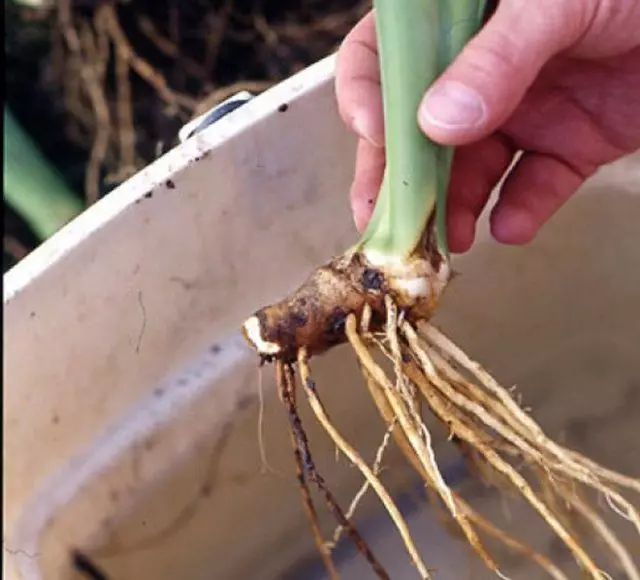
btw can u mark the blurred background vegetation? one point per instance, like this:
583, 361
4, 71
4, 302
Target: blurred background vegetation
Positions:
97, 89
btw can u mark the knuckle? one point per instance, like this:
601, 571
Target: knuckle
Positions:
497, 57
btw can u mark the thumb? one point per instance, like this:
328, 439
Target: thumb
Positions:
489, 78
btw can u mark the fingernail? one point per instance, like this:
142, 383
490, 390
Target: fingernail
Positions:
452, 105
364, 127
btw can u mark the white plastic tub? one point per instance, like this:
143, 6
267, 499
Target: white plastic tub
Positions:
131, 402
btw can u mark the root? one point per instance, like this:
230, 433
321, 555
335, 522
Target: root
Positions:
83, 50
511, 542
609, 538
349, 301
141, 66
120, 78
470, 434
126, 132
288, 397
365, 486
501, 466
355, 458
169, 48
261, 446
462, 506
556, 465
518, 415
550, 455
417, 425
422, 453
488, 420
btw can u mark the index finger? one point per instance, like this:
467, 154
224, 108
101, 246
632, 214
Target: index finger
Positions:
358, 89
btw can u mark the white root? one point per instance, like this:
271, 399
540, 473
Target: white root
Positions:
505, 442
377, 463
431, 464
500, 465
412, 434
604, 531
446, 345
318, 409
568, 462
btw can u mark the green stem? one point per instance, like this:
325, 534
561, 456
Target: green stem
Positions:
32, 186
417, 40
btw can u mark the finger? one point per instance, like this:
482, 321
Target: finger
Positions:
487, 81
476, 170
370, 162
357, 84
534, 191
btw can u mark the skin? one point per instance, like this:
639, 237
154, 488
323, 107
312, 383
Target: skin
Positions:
557, 80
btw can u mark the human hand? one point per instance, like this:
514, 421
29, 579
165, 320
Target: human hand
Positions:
558, 80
